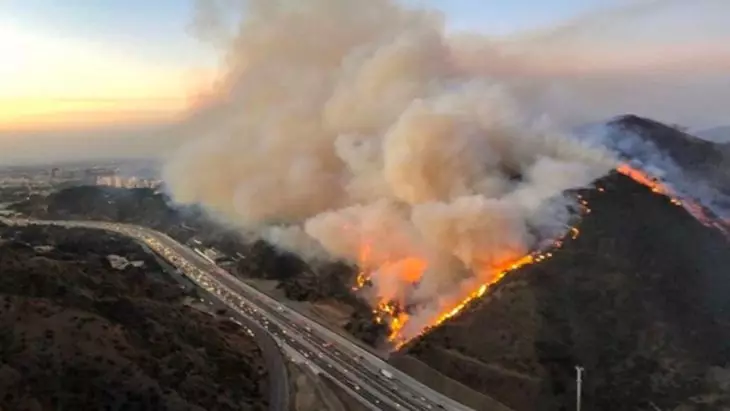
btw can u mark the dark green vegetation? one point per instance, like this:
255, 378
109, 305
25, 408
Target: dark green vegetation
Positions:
77, 334
143, 206
639, 299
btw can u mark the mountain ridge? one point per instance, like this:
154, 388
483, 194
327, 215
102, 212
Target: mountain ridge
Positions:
636, 299
719, 134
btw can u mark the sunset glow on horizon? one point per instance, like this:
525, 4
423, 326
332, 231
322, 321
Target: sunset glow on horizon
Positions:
47, 114
63, 82
78, 63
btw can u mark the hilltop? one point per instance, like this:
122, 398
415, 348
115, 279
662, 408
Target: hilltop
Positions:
696, 167
639, 300
687, 150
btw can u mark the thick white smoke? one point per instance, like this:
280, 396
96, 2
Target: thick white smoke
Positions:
350, 125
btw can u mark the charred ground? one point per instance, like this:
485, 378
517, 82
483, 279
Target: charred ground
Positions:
78, 334
639, 299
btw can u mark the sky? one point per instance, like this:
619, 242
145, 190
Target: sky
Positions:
97, 61
80, 64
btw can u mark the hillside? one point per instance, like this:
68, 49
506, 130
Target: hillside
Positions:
139, 205
78, 334
639, 300
254, 259
694, 165
687, 150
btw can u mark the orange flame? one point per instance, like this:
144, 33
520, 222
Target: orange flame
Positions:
411, 270
699, 212
643, 178
362, 277
479, 292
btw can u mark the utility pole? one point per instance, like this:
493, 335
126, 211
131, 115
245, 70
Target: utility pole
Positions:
579, 385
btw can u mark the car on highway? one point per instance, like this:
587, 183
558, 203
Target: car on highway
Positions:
226, 289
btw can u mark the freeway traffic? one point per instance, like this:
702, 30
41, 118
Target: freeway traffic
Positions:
365, 376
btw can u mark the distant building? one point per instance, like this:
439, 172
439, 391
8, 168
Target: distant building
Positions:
120, 263
126, 182
213, 254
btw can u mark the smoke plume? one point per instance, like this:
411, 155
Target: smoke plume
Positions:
352, 130
701, 181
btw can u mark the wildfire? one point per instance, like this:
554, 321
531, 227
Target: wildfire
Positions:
699, 212
574, 233
411, 269
478, 293
362, 277
643, 178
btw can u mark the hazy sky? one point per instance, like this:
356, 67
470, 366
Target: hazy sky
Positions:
101, 61
125, 58
110, 58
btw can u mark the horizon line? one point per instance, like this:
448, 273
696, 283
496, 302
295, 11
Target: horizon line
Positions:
93, 99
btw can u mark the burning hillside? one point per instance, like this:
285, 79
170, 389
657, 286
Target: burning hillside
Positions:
361, 136
360, 132
686, 166
411, 269
638, 299
703, 214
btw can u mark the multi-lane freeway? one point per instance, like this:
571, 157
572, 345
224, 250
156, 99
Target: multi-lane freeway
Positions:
364, 375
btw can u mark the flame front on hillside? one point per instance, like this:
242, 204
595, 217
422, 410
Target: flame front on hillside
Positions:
644, 179
700, 213
394, 312
360, 131
396, 316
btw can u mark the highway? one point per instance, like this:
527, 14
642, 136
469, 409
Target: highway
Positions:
352, 367
275, 364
